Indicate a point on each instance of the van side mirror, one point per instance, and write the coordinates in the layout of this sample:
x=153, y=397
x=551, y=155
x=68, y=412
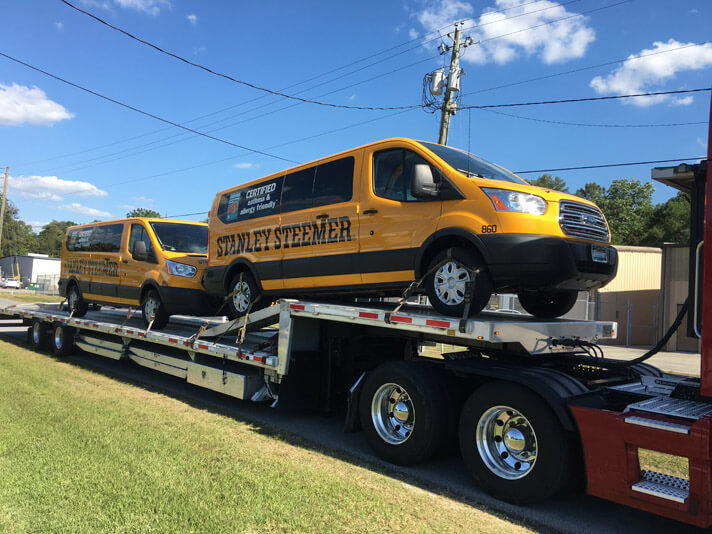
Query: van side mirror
x=422, y=182
x=139, y=251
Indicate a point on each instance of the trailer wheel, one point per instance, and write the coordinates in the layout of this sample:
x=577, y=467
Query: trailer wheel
x=513, y=444
x=76, y=302
x=446, y=285
x=39, y=332
x=152, y=305
x=62, y=340
x=402, y=412
x=240, y=298
x=548, y=304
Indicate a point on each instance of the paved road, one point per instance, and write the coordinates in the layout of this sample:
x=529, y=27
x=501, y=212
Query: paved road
x=577, y=513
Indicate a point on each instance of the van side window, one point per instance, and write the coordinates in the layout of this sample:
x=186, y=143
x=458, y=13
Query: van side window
x=106, y=238
x=297, y=190
x=79, y=240
x=392, y=171
x=139, y=233
x=334, y=182
x=259, y=200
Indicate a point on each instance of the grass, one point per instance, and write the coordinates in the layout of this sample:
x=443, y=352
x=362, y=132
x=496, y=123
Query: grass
x=80, y=452
x=661, y=462
x=29, y=297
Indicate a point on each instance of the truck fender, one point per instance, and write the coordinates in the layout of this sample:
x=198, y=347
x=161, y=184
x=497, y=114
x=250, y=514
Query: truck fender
x=554, y=387
x=352, y=422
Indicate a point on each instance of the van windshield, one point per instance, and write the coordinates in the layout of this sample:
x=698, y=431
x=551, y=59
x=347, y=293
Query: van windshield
x=177, y=237
x=470, y=165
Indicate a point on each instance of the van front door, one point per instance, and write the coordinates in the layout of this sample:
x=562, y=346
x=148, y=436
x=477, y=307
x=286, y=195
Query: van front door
x=133, y=271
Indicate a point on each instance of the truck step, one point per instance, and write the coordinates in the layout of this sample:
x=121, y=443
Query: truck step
x=659, y=425
x=685, y=409
x=664, y=486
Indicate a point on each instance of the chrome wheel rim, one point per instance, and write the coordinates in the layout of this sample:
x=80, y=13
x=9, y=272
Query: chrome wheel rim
x=36, y=333
x=449, y=283
x=151, y=306
x=73, y=298
x=393, y=414
x=506, y=442
x=241, y=298
x=58, y=337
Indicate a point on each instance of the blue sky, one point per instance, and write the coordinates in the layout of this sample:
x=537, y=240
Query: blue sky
x=73, y=156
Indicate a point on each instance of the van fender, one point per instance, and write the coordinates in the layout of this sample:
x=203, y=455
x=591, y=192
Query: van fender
x=74, y=280
x=152, y=284
x=444, y=233
x=242, y=262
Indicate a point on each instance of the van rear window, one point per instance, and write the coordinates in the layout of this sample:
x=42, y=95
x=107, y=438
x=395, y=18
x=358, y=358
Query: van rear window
x=104, y=238
x=258, y=200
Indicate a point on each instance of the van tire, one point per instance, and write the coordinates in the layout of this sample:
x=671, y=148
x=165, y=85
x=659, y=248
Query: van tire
x=548, y=304
x=249, y=299
x=460, y=263
x=75, y=302
x=152, y=303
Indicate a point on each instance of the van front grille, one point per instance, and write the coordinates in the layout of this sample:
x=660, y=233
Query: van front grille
x=582, y=220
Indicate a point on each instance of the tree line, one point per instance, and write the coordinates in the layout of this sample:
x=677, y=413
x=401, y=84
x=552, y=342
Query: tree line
x=627, y=204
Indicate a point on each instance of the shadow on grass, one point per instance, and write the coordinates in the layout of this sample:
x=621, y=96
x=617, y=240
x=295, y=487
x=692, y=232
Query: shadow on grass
x=156, y=382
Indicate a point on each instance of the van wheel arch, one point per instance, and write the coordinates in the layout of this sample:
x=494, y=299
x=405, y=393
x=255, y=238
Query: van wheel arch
x=237, y=267
x=444, y=239
x=148, y=285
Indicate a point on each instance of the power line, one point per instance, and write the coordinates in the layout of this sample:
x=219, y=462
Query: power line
x=588, y=99
x=147, y=114
x=590, y=125
x=607, y=165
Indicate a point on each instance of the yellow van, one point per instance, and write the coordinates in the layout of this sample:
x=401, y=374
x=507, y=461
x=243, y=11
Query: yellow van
x=372, y=220
x=156, y=264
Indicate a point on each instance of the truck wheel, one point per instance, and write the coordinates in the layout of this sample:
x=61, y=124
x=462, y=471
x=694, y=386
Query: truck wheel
x=446, y=285
x=76, y=302
x=248, y=293
x=513, y=445
x=402, y=412
x=548, y=304
x=62, y=340
x=39, y=332
x=153, y=306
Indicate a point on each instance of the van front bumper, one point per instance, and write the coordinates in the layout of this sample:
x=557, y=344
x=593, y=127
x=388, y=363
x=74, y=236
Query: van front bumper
x=523, y=261
x=214, y=281
x=182, y=301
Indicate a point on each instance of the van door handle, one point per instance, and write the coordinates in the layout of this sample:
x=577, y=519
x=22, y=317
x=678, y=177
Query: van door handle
x=323, y=216
x=125, y=260
x=369, y=212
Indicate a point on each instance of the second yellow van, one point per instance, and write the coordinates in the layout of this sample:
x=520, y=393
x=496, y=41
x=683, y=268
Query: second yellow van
x=154, y=264
x=371, y=220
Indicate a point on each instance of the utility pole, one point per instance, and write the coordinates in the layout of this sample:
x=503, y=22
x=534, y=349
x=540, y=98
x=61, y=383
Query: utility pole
x=4, y=201
x=453, y=82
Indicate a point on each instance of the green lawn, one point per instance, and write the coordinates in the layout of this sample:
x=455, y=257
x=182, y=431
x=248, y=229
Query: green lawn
x=80, y=452
x=29, y=297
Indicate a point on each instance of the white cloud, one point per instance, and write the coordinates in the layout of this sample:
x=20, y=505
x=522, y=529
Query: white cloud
x=59, y=26
x=95, y=4
x=199, y=50
x=192, y=18
x=28, y=105
x=683, y=100
x=76, y=207
x=37, y=225
x=52, y=188
x=644, y=74
x=243, y=165
x=503, y=36
x=144, y=200
x=702, y=143
x=152, y=7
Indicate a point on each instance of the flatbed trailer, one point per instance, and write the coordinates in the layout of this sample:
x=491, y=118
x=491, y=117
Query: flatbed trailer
x=532, y=403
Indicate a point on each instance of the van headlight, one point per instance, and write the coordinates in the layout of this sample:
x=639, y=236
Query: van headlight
x=180, y=269
x=507, y=200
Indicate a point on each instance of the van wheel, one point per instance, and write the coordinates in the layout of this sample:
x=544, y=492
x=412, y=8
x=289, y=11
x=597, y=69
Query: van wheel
x=513, y=444
x=76, y=302
x=153, y=306
x=62, y=340
x=446, y=284
x=243, y=298
x=402, y=409
x=548, y=304
x=39, y=335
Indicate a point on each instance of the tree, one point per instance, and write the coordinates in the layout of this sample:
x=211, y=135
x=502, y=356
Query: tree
x=49, y=240
x=17, y=236
x=628, y=205
x=670, y=222
x=547, y=181
x=593, y=192
x=143, y=212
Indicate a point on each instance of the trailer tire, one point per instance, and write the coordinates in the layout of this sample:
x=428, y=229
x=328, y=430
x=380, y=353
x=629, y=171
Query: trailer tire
x=75, y=302
x=402, y=412
x=39, y=334
x=62, y=340
x=502, y=426
x=153, y=305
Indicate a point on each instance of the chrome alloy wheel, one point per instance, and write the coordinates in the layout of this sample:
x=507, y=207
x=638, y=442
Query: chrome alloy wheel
x=36, y=334
x=241, y=298
x=449, y=283
x=73, y=299
x=151, y=307
x=393, y=414
x=506, y=442
x=58, y=337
